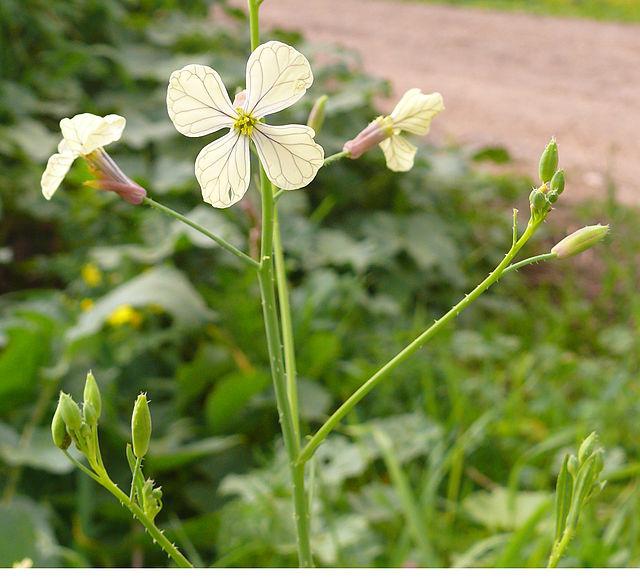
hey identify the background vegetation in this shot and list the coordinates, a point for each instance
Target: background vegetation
(479, 421)
(620, 10)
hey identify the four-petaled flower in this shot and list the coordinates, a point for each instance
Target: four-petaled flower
(277, 76)
(84, 135)
(413, 114)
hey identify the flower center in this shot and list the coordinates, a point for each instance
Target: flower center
(245, 122)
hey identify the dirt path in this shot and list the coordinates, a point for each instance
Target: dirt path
(507, 78)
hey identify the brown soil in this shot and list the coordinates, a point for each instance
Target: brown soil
(507, 78)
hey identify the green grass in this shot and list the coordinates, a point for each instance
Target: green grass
(615, 10)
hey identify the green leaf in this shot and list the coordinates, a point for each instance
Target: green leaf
(39, 453)
(162, 286)
(564, 490)
(230, 396)
(25, 532)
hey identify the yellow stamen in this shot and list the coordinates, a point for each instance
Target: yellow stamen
(244, 123)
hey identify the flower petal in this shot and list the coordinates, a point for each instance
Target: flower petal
(277, 76)
(223, 170)
(399, 153)
(289, 155)
(87, 132)
(57, 167)
(198, 102)
(415, 111)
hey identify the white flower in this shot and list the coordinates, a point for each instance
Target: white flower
(277, 76)
(413, 114)
(83, 135)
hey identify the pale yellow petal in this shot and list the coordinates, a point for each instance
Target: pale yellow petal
(277, 76)
(87, 132)
(289, 155)
(223, 170)
(57, 167)
(399, 153)
(415, 111)
(197, 101)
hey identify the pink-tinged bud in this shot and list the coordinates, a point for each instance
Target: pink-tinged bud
(240, 99)
(378, 130)
(109, 177)
(580, 241)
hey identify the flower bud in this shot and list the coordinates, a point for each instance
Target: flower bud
(548, 161)
(89, 413)
(557, 182)
(316, 116)
(587, 447)
(61, 437)
(572, 465)
(70, 412)
(552, 197)
(580, 241)
(92, 395)
(538, 200)
(377, 131)
(141, 426)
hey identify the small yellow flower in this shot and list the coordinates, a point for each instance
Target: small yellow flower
(125, 315)
(24, 563)
(86, 304)
(91, 275)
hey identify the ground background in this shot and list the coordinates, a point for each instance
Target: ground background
(507, 78)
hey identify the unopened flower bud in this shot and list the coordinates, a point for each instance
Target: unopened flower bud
(70, 412)
(316, 116)
(552, 197)
(572, 465)
(89, 413)
(378, 130)
(548, 161)
(61, 437)
(109, 177)
(538, 200)
(580, 241)
(557, 182)
(587, 447)
(141, 426)
(92, 395)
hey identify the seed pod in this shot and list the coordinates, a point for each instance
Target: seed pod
(557, 182)
(141, 426)
(316, 116)
(70, 412)
(548, 161)
(580, 241)
(61, 437)
(92, 395)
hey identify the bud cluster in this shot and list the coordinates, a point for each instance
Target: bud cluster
(552, 182)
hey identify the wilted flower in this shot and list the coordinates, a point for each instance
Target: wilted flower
(277, 76)
(412, 114)
(84, 135)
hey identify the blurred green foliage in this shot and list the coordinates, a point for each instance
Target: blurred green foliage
(620, 10)
(479, 421)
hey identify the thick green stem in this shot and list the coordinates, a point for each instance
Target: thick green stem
(224, 244)
(274, 344)
(560, 547)
(158, 536)
(420, 341)
(287, 324)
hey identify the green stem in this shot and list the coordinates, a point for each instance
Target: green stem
(560, 547)
(414, 346)
(287, 325)
(224, 244)
(530, 261)
(274, 344)
(158, 536)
